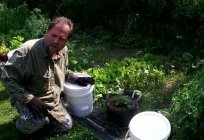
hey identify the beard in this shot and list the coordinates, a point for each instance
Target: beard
(52, 49)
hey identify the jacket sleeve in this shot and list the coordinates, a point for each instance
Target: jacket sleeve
(13, 77)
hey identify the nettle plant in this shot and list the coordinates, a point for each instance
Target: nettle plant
(122, 99)
(128, 74)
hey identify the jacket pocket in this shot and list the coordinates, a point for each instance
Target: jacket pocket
(39, 83)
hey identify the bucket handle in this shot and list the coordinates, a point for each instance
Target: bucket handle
(137, 92)
(126, 135)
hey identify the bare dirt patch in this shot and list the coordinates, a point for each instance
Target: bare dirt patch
(115, 53)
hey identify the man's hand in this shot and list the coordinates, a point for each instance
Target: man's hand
(37, 107)
(84, 81)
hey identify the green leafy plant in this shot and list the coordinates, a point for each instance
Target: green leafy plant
(18, 14)
(16, 42)
(3, 52)
(187, 110)
(3, 49)
(35, 25)
(122, 100)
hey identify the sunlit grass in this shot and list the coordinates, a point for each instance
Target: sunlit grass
(7, 116)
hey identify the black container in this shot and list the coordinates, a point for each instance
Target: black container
(121, 115)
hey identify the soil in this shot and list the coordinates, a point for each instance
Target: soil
(115, 53)
(121, 53)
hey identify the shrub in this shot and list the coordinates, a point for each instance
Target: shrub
(188, 110)
(24, 24)
(13, 18)
(35, 25)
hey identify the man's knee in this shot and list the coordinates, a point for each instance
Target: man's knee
(26, 123)
(28, 126)
(68, 121)
(63, 126)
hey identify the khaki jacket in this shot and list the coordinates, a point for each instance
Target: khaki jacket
(30, 72)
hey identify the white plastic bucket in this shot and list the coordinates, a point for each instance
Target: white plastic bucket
(149, 125)
(79, 98)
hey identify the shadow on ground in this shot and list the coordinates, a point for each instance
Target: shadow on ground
(3, 95)
(8, 131)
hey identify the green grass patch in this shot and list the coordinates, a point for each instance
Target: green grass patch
(76, 133)
(7, 116)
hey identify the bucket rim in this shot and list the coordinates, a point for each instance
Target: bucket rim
(155, 114)
(72, 87)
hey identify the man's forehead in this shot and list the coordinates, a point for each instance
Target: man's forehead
(62, 26)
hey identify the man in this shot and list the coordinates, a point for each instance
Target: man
(34, 77)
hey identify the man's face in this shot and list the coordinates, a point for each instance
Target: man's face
(56, 37)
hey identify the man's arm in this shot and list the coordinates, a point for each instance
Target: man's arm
(13, 74)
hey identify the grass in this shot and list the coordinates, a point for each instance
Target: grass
(7, 115)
